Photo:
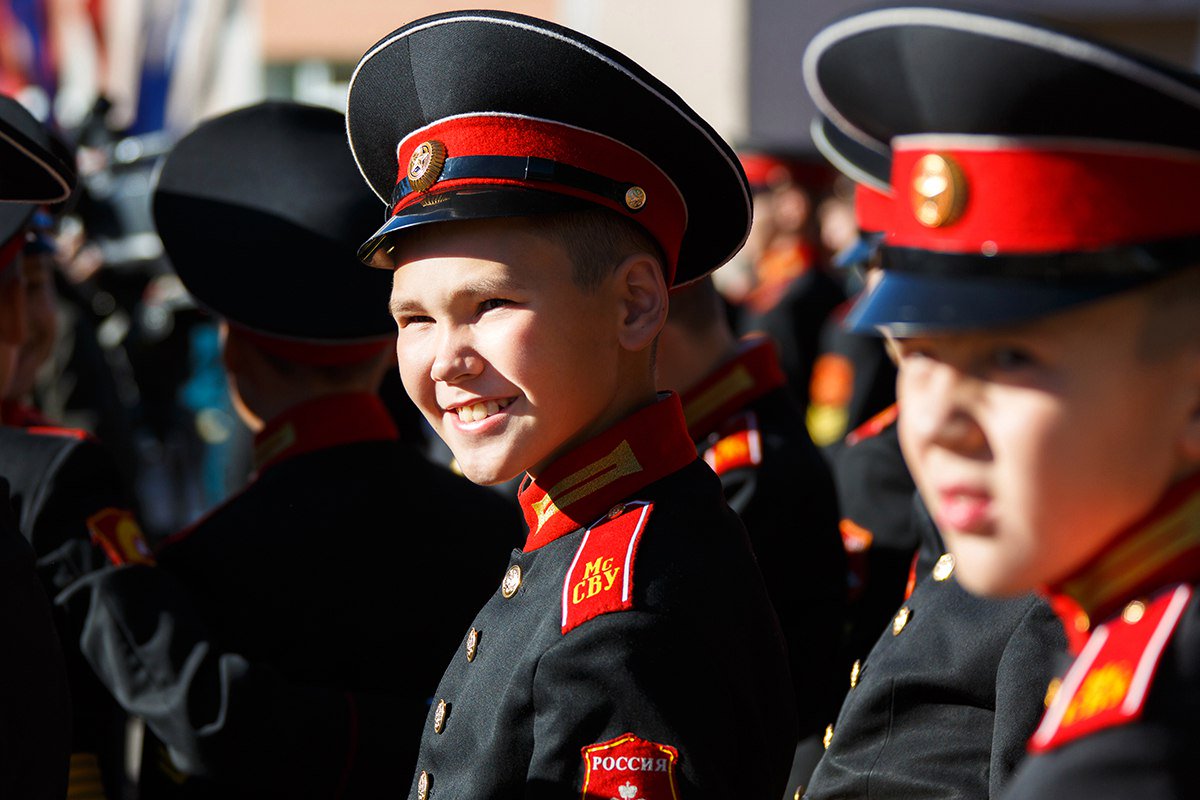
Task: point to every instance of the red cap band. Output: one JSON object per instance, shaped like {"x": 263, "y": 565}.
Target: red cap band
{"x": 872, "y": 208}
{"x": 960, "y": 194}
{"x": 663, "y": 215}
{"x": 317, "y": 354}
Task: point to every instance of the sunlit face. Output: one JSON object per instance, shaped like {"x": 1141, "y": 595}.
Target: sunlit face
{"x": 1034, "y": 446}
{"x": 508, "y": 359}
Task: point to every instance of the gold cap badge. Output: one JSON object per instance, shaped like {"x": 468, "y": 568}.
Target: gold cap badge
{"x": 425, "y": 165}
{"x": 939, "y": 191}
{"x": 635, "y": 198}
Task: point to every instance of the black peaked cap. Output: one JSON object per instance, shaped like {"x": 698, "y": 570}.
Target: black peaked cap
{"x": 261, "y": 211}
{"x": 870, "y": 166}
{"x": 911, "y": 70}
{"x": 33, "y": 169}
{"x": 1005, "y": 84}
{"x": 475, "y": 62}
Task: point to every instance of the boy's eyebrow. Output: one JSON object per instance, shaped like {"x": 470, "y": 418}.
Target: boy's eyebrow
{"x": 482, "y": 287}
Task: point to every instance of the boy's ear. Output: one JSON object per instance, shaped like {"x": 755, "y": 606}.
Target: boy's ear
{"x": 642, "y": 294}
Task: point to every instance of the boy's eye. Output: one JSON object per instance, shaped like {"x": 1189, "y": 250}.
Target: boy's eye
{"x": 412, "y": 319}
{"x": 1011, "y": 358}
{"x": 495, "y": 302}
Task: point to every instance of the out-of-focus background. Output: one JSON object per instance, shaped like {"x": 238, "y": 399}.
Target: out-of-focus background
{"x": 137, "y": 363}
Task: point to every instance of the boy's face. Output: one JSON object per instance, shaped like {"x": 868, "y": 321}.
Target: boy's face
{"x": 509, "y": 360}
{"x": 1034, "y": 446}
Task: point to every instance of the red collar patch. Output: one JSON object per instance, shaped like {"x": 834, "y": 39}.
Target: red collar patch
{"x": 19, "y": 415}
{"x": 629, "y": 768}
{"x": 328, "y": 421}
{"x": 647, "y": 445}
{"x": 738, "y": 445}
{"x": 600, "y": 579}
{"x": 749, "y": 375}
{"x": 117, "y": 532}
{"x": 1109, "y": 681}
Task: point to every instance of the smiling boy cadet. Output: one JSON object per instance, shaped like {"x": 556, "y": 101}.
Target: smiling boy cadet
{"x": 1041, "y": 287}
{"x": 544, "y": 193}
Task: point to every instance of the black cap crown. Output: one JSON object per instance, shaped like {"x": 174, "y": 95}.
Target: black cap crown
{"x": 260, "y": 212}
{"x": 478, "y": 114}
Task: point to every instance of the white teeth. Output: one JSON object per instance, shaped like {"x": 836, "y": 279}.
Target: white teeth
{"x": 477, "y": 411}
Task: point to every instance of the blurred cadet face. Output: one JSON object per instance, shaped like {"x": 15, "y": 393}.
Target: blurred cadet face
{"x": 1034, "y": 446}
{"x": 41, "y": 322}
{"x": 510, "y": 361}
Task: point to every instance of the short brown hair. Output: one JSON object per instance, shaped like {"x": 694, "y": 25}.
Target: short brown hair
{"x": 596, "y": 241}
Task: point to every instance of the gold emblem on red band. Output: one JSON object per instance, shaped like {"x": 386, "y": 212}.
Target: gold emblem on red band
{"x": 939, "y": 191}
{"x": 635, "y": 198}
{"x": 425, "y": 165}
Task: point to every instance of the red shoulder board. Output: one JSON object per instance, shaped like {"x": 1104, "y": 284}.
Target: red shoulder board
{"x": 874, "y": 426}
{"x": 1108, "y": 683}
{"x": 600, "y": 579}
{"x": 739, "y": 445}
{"x": 629, "y": 768}
{"x": 115, "y": 530}
{"x": 50, "y": 430}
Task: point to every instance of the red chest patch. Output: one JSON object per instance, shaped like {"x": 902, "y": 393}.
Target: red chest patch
{"x": 600, "y": 579}
{"x": 1109, "y": 681}
{"x": 738, "y": 447}
{"x": 115, "y": 530}
{"x": 629, "y": 768}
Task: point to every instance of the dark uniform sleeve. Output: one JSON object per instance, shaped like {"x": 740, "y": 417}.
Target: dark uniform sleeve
{"x": 640, "y": 673}
{"x": 1023, "y": 674}
{"x": 35, "y": 724}
{"x": 218, "y": 713}
{"x": 81, "y": 483}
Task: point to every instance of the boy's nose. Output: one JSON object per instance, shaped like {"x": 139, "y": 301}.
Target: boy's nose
{"x": 455, "y": 359}
{"x": 937, "y": 410}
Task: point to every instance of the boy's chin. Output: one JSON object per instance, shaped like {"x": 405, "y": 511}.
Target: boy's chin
{"x": 980, "y": 569}
{"x": 486, "y": 474}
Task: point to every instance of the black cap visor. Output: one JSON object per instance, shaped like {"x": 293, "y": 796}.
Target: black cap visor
{"x": 457, "y": 205}
{"x": 913, "y": 304}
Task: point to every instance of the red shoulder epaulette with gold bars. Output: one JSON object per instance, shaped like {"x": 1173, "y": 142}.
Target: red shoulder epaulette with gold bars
{"x": 738, "y": 445}
{"x": 600, "y": 579}
{"x": 1109, "y": 681}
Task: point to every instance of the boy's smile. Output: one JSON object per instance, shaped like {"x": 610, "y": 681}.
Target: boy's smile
{"x": 509, "y": 360}
{"x": 1034, "y": 445}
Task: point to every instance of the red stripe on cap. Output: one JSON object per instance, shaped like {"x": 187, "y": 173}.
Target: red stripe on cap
{"x": 872, "y": 208}
{"x": 317, "y": 354}
{"x": 1025, "y": 199}
{"x": 664, "y": 215}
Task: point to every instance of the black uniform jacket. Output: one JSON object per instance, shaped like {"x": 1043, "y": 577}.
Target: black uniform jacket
{"x": 1125, "y": 719}
{"x": 749, "y": 431}
{"x": 350, "y": 565}
{"x": 875, "y": 495}
{"x": 631, "y": 650}
{"x": 945, "y": 701}
{"x": 71, "y": 506}
{"x": 35, "y": 726}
